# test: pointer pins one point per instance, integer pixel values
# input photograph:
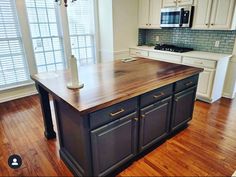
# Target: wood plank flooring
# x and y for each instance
(206, 148)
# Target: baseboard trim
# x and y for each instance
(228, 95)
(17, 94)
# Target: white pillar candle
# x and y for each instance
(74, 82)
(74, 70)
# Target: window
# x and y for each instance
(46, 36)
(13, 67)
(82, 30)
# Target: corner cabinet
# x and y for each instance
(175, 3)
(214, 14)
(149, 14)
(114, 144)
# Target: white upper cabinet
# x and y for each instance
(213, 14)
(155, 13)
(143, 13)
(149, 14)
(222, 14)
(202, 14)
(175, 3)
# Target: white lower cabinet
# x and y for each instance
(211, 80)
(205, 83)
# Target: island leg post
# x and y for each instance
(49, 132)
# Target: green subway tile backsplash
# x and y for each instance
(202, 40)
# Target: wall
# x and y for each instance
(202, 40)
(105, 29)
(230, 82)
(118, 27)
(125, 22)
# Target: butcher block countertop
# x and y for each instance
(109, 83)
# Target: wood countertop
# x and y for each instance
(113, 82)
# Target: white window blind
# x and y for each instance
(13, 67)
(46, 38)
(82, 30)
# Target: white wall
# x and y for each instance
(105, 29)
(230, 82)
(118, 27)
(125, 26)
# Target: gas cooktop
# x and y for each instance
(172, 48)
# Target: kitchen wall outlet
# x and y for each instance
(217, 43)
(157, 38)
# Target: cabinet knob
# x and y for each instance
(142, 116)
(136, 119)
(212, 24)
(146, 24)
(206, 24)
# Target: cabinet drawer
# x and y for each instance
(186, 83)
(199, 62)
(165, 57)
(138, 53)
(111, 113)
(155, 95)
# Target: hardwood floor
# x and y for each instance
(206, 148)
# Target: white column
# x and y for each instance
(26, 37)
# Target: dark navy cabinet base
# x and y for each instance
(99, 143)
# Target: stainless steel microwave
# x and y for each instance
(177, 17)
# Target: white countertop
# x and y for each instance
(194, 54)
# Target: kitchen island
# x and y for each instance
(123, 110)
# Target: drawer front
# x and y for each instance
(114, 112)
(155, 95)
(186, 83)
(138, 53)
(165, 57)
(199, 62)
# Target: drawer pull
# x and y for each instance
(189, 83)
(158, 96)
(200, 62)
(136, 119)
(117, 113)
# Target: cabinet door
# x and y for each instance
(144, 13)
(222, 14)
(114, 144)
(184, 2)
(202, 14)
(183, 107)
(154, 124)
(155, 13)
(205, 83)
(169, 3)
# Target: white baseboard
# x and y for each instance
(228, 95)
(16, 93)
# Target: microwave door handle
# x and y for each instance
(181, 17)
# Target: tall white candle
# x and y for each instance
(74, 74)
(74, 71)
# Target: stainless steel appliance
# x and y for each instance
(177, 17)
(172, 48)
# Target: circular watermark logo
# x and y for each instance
(14, 161)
